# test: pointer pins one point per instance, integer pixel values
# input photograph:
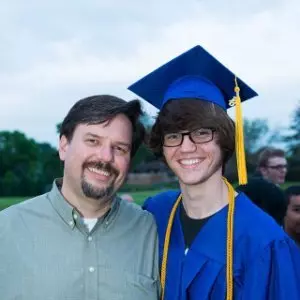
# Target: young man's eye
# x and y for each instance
(173, 136)
(202, 132)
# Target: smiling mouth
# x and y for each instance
(189, 163)
(99, 171)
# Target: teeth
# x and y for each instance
(189, 162)
(101, 172)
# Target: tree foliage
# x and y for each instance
(255, 131)
(27, 168)
(293, 139)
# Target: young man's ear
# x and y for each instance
(63, 147)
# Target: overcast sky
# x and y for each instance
(56, 52)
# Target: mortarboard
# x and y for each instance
(197, 74)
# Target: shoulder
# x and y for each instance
(161, 202)
(31, 204)
(11, 216)
(254, 226)
(160, 207)
(134, 212)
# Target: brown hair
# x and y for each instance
(268, 153)
(101, 108)
(190, 114)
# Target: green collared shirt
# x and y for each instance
(47, 253)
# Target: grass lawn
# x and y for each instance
(138, 197)
(5, 202)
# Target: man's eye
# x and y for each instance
(121, 150)
(91, 141)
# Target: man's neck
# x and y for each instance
(205, 199)
(87, 207)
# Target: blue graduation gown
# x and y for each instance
(266, 261)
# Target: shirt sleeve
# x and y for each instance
(275, 274)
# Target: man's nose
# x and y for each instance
(105, 153)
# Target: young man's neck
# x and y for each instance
(295, 236)
(88, 208)
(205, 199)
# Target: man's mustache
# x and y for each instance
(106, 167)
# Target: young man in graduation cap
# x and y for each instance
(214, 243)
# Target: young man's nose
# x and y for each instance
(187, 144)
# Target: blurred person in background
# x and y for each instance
(272, 165)
(267, 196)
(292, 217)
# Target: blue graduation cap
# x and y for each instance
(196, 74)
(193, 74)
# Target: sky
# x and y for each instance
(56, 52)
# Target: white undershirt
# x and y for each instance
(90, 223)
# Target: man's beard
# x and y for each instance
(90, 191)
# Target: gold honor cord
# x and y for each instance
(229, 243)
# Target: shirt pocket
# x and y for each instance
(125, 285)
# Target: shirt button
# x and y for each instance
(71, 223)
(90, 238)
(91, 269)
(75, 216)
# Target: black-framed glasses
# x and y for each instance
(278, 167)
(197, 136)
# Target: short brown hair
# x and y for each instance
(100, 108)
(190, 114)
(268, 153)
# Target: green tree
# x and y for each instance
(293, 139)
(293, 144)
(255, 131)
(26, 167)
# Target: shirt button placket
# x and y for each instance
(91, 280)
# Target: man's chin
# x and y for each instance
(95, 191)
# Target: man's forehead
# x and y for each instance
(85, 127)
(103, 130)
(277, 159)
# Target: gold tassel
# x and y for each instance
(239, 137)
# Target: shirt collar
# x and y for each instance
(69, 214)
(61, 206)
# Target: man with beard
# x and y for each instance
(81, 241)
(214, 243)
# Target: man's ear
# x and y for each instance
(263, 171)
(63, 147)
